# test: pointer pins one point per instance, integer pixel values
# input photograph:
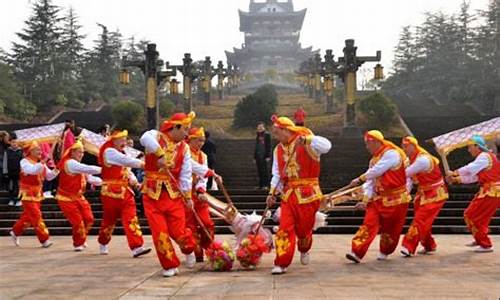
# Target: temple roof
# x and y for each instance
(270, 5)
(295, 19)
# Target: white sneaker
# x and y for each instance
(277, 270)
(48, 194)
(405, 252)
(481, 249)
(85, 245)
(471, 244)
(11, 203)
(15, 238)
(381, 256)
(190, 260)
(353, 257)
(103, 249)
(304, 258)
(140, 251)
(424, 251)
(170, 272)
(79, 248)
(19, 203)
(47, 244)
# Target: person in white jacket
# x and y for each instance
(33, 172)
(73, 179)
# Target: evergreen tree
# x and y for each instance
(71, 61)
(36, 57)
(12, 102)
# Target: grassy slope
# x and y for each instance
(218, 117)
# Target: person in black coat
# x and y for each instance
(262, 155)
(209, 149)
(14, 155)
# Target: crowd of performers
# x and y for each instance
(175, 195)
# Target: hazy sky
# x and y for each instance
(208, 27)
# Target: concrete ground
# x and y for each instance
(455, 272)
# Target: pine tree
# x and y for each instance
(36, 57)
(71, 62)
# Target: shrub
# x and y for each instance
(256, 107)
(127, 115)
(167, 107)
(376, 111)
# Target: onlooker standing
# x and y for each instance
(14, 155)
(104, 130)
(209, 148)
(262, 155)
(4, 144)
(300, 116)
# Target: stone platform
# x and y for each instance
(30, 272)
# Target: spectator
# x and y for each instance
(300, 116)
(104, 130)
(262, 155)
(209, 149)
(4, 144)
(14, 155)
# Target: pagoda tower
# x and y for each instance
(272, 31)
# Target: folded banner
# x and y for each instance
(41, 134)
(93, 141)
(450, 141)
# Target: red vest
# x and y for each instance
(30, 186)
(391, 186)
(302, 171)
(114, 181)
(71, 186)
(489, 178)
(431, 186)
(155, 179)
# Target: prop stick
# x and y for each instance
(342, 189)
(224, 191)
(292, 153)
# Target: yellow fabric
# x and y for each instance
(196, 133)
(286, 123)
(118, 134)
(377, 135)
(413, 141)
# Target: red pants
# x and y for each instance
(167, 218)
(421, 228)
(120, 208)
(201, 239)
(296, 220)
(389, 220)
(80, 217)
(478, 215)
(31, 216)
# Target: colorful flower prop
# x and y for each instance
(220, 256)
(250, 250)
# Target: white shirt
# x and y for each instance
(30, 168)
(390, 159)
(422, 164)
(150, 142)
(114, 157)
(200, 170)
(319, 145)
(75, 167)
(468, 173)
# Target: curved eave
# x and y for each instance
(246, 19)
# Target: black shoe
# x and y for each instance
(141, 252)
(353, 258)
(200, 259)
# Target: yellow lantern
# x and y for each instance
(379, 72)
(329, 85)
(205, 84)
(187, 87)
(174, 87)
(124, 77)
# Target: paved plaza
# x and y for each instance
(455, 272)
